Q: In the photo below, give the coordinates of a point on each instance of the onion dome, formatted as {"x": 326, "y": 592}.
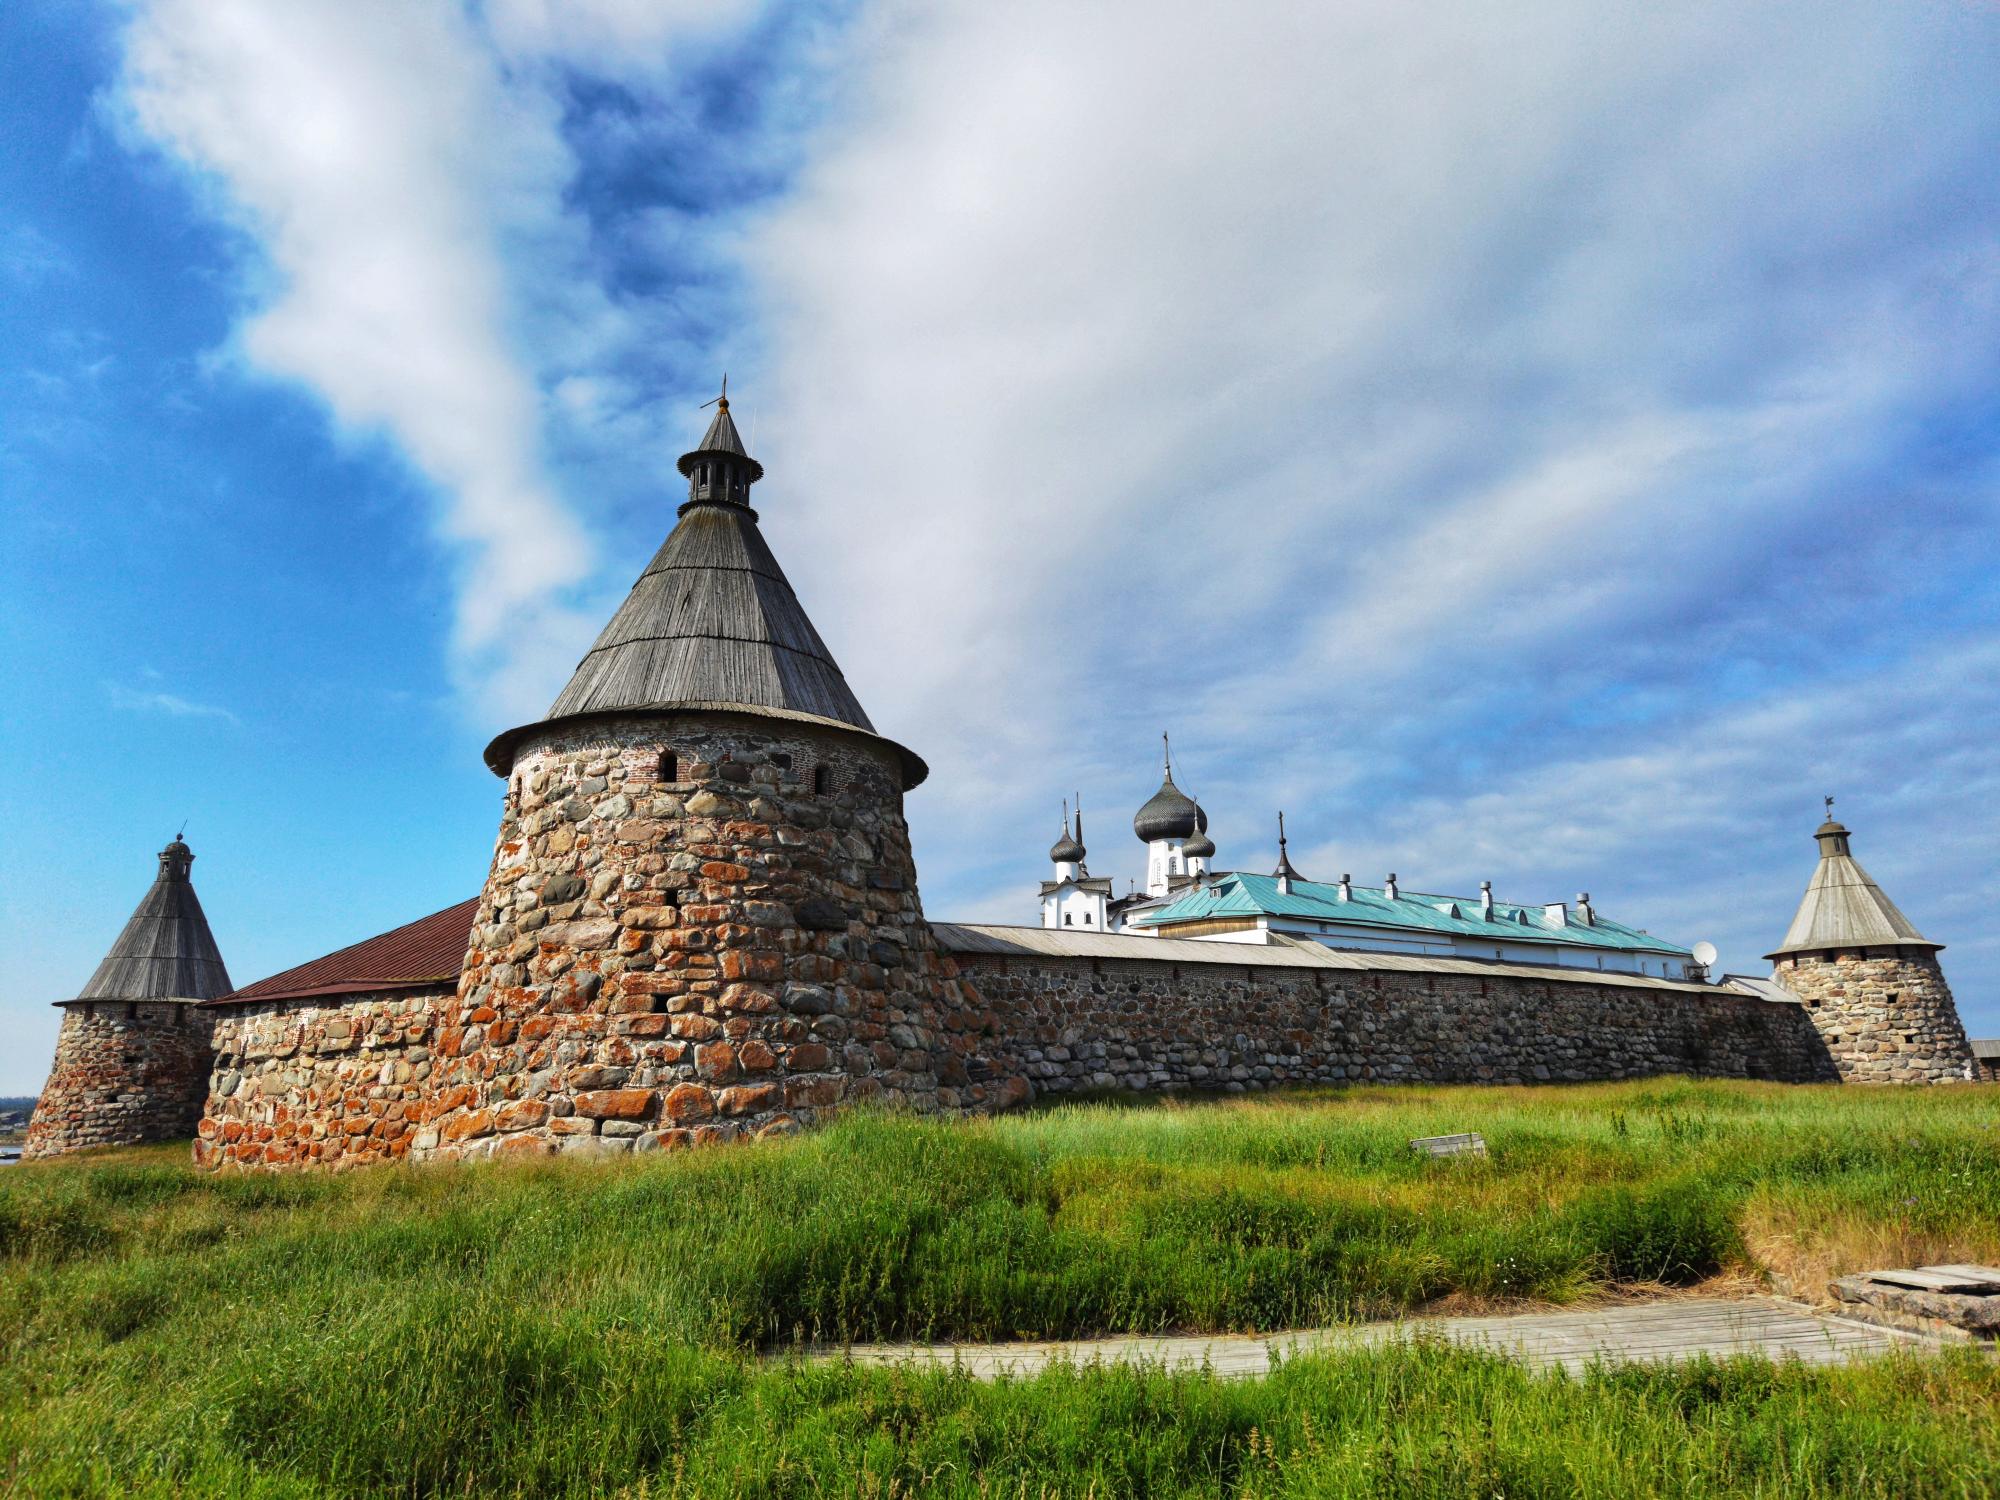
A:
{"x": 1201, "y": 846}
{"x": 1068, "y": 850}
{"x": 1284, "y": 870}
{"x": 1169, "y": 813}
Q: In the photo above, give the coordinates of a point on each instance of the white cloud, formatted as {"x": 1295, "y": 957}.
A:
{"x": 1382, "y": 398}
{"x": 153, "y": 700}
{"x": 385, "y": 167}
{"x": 1325, "y": 381}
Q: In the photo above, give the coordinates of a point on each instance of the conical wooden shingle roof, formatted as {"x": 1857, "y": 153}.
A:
{"x": 166, "y": 951}
{"x": 712, "y": 623}
{"x": 1844, "y": 907}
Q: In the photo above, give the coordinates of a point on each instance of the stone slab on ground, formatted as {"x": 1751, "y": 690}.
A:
{"x": 1652, "y": 1332}
{"x": 1953, "y": 1302}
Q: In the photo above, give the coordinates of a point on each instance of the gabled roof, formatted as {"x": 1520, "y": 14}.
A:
{"x": 166, "y": 951}
{"x": 428, "y": 951}
{"x": 711, "y": 624}
{"x": 1245, "y": 895}
{"x": 1844, "y": 907}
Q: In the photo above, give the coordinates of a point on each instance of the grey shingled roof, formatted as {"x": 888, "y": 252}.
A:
{"x": 1845, "y": 908}
{"x": 166, "y": 951}
{"x": 712, "y": 623}
{"x": 722, "y": 437}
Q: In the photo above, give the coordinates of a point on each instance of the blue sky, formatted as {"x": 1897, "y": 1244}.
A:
{"x": 1552, "y": 449}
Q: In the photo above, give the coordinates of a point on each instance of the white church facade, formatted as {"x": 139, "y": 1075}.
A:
{"x": 1185, "y": 896}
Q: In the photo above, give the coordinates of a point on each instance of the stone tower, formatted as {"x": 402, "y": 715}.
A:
{"x": 132, "y": 1056}
{"x": 1867, "y": 977}
{"x": 702, "y": 917}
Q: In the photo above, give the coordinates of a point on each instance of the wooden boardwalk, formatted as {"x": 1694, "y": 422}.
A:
{"x": 1643, "y": 1332}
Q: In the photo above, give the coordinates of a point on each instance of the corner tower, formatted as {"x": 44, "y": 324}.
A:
{"x": 702, "y": 916}
{"x": 132, "y": 1057}
{"x": 1869, "y": 980}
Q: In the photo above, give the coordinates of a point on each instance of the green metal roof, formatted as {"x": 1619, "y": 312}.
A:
{"x": 1244, "y": 895}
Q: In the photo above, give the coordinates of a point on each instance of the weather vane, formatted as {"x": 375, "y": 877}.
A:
{"x": 1829, "y": 809}
{"x": 723, "y": 398}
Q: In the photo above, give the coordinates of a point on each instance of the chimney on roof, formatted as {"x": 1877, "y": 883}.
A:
{"x": 1389, "y": 887}
{"x": 1347, "y": 887}
{"x": 1486, "y": 899}
{"x": 1583, "y": 911}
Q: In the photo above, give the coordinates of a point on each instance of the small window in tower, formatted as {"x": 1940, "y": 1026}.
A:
{"x": 822, "y": 780}
{"x": 670, "y": 765}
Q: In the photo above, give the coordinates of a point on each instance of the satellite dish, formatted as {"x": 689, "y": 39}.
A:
{"x": 1704, "y": 954}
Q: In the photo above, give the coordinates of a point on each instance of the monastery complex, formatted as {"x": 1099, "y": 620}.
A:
{"x": 701, "y": 923}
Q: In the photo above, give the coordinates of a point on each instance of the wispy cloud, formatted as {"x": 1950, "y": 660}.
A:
{"x": 1469, "y": 429}
{"x": 385, "y": 168}
{"x": 28, "y": 256}
{"x": 155, "y": 701}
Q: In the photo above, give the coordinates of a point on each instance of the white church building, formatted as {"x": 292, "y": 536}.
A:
{"x": 1186, "y": 897}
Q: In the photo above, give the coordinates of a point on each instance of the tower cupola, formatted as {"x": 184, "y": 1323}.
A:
{"x": 712, "y": 625}
{"x": 1843, "y": 907}
{"x": 719, "y": 470}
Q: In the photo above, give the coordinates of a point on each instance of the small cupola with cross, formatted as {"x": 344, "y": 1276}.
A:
{"x": 720, "y": 471}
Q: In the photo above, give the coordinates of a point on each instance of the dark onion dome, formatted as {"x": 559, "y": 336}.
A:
{"x": 1201, "y": 846}
{"x": 1168, "y": 814}
{"x": 1067, "y": 849}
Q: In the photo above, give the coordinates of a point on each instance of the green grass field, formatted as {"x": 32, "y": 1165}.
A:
{"x": 619, "y": 1328}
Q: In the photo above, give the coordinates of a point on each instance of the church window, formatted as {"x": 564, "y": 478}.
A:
{"x": 1068, "y": 920}
{"x": 1086, "y": 919}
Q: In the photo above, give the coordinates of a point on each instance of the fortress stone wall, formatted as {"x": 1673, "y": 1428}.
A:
{"x": 374, "y": 1077}
{"x": 698, "y": 927}
{"x": 321, "y": 1082}
{"x": 1886, "y": 1014}
{"x": 125, "y": 1072}
{"x": 1076, "y": 1023}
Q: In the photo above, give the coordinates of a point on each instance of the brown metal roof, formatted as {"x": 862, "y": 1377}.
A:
{"x": 430, "y": 950}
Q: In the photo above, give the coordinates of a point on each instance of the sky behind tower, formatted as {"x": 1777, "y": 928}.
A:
{"x": 1553, "y": 447}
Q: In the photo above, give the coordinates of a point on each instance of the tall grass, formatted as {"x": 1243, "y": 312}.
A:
{"x": 574, "y": 1328}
